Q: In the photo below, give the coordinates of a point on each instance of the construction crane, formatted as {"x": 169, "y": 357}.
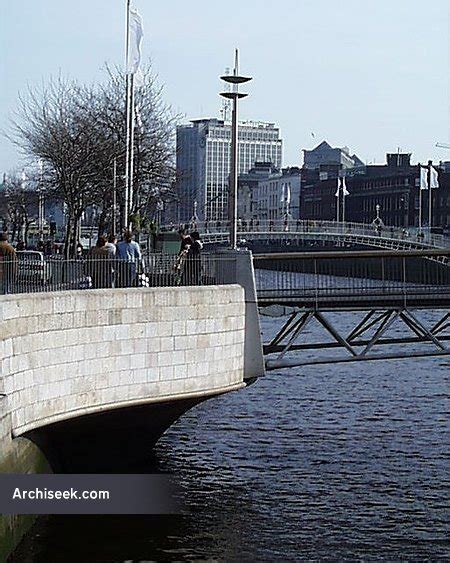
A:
{"x": 443, "y": 145}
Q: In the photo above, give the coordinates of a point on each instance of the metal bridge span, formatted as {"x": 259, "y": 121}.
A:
{"x": 398, "y": 301}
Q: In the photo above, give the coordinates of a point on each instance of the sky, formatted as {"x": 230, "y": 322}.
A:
{"x": 372, "y": 75}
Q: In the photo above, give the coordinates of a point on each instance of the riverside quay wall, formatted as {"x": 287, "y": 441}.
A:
{"x": 89, "y": 380}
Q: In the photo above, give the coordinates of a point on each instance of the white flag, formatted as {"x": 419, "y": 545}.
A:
{"x": 344, "y": 188}
{"x": 434, "y": 178}
{"x": 338, "y": 187}
{"x": 136, "y": 34}
{"x": 288, "y": 195}
{"x": 282, "y": 194}
{"x": 423, "y": 178}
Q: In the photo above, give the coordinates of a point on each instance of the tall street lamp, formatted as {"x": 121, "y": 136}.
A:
{"x": 41, "y": 201}
{"x": 235, "y": 96}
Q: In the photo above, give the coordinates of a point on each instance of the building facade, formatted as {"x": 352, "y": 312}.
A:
{"x": 248, "y": 185}
{"x": 278, "y": 196}
{"x": 394, "y": 187}
{"x": 324, "y": 156}
{"x": 203, "y": 162}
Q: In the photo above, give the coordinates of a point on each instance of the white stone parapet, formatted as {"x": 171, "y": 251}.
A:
{"x": 67, "y": 354}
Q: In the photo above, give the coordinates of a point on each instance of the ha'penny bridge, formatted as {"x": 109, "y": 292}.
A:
{"x": 309, "y": 233}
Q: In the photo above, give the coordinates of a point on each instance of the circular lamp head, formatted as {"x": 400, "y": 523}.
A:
{"x": 232, "y": 79}
{"x": 233, "y": 95}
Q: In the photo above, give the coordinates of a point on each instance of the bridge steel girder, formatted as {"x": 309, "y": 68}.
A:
{"x": 378, "y": 321}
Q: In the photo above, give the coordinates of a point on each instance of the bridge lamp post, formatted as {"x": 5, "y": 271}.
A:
{"x": 234, "y": 79}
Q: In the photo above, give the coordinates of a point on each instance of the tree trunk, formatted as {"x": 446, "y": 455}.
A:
{"x": 68, "y": 236}
{"x": 102, "y": 223}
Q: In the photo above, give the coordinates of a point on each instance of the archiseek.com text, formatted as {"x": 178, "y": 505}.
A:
{"x": 57, "y": 494}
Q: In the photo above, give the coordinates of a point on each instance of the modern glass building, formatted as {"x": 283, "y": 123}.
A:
{"x": 203, "y": 162}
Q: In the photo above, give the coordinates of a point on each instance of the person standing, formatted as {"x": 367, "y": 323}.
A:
{"x": 8, "y": 265}
{"x": 194, "y": 263}
{"x": 186, "y": 241}
{"x": 129, "y": 258}
{"x": 111, "y": 245}
{"x": 100, "y": 265}
{"x": 180, "y": 264}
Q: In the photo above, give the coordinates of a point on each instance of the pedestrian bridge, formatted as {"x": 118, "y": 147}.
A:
{"x": 292, "y": 233}
{"x": 398, "y": 302}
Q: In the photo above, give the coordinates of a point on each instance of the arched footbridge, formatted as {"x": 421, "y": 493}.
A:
{"x": 300, "y": 232}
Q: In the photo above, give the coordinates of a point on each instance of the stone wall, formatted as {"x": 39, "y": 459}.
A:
{"x": 72, "y": 353}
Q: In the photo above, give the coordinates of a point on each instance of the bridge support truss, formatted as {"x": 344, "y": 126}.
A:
{"x": 370, "y": 331}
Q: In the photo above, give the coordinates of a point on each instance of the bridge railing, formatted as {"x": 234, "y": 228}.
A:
{"x": 155, "y": 270}
{"x": 309, "y": 227}
{"x": 307, "y": 277}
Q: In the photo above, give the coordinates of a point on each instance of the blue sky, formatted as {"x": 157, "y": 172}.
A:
{"x": 371, "y": 74}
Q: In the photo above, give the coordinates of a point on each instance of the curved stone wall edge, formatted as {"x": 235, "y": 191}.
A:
{"x": 120, "y": 405}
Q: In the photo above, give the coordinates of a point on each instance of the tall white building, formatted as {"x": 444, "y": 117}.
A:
{"x": 203, "y": 162}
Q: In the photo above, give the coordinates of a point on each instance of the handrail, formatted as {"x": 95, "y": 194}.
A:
{"x": 352, "y": 254}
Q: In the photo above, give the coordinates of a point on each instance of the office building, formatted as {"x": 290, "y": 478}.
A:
{"x": 203, "y": 162}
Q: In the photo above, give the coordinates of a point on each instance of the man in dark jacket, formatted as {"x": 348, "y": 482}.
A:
{"x": 8, "y": 265}
{"x": 194, "y": 263}
{"x": 100, "y": 264}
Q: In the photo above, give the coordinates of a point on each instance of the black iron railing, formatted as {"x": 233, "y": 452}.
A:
{"x": 154, "y": 270}
{"x": 351, "y": 276}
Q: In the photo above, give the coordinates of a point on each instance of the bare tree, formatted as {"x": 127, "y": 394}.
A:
{"x": 48, "y": 126}
{"x": 79, "y": 131}
{"x": 20, "y": 207}
{"x": 154, "y": 143}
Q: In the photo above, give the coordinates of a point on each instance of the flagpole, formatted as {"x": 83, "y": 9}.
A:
{"x": 343, "y": 206}
{"x": 131, "y": 168}
{"x": 127, "y": 111}
{"x": 420, "y": 200}
{"x": 338, "y": 203}
{"x": 430, "y": 199}
{"x": 114, "y": 221}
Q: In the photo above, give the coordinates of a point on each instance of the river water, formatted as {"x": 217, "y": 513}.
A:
{"x": 329, "y": 463}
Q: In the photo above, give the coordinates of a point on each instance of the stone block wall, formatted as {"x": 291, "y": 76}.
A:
{"x": 71, "y": 353}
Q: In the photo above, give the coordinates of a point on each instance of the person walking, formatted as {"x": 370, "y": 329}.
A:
{"x": 129, "y": 258}
{"x": 8, "y": 265}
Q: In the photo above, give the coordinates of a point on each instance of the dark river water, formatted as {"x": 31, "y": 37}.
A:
{"x": 328, "y": 463}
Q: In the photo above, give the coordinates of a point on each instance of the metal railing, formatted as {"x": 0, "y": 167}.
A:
{"x": 155, "y": 270}
{"x": 385, "y": 236}
{"x": 345, "y": 276}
